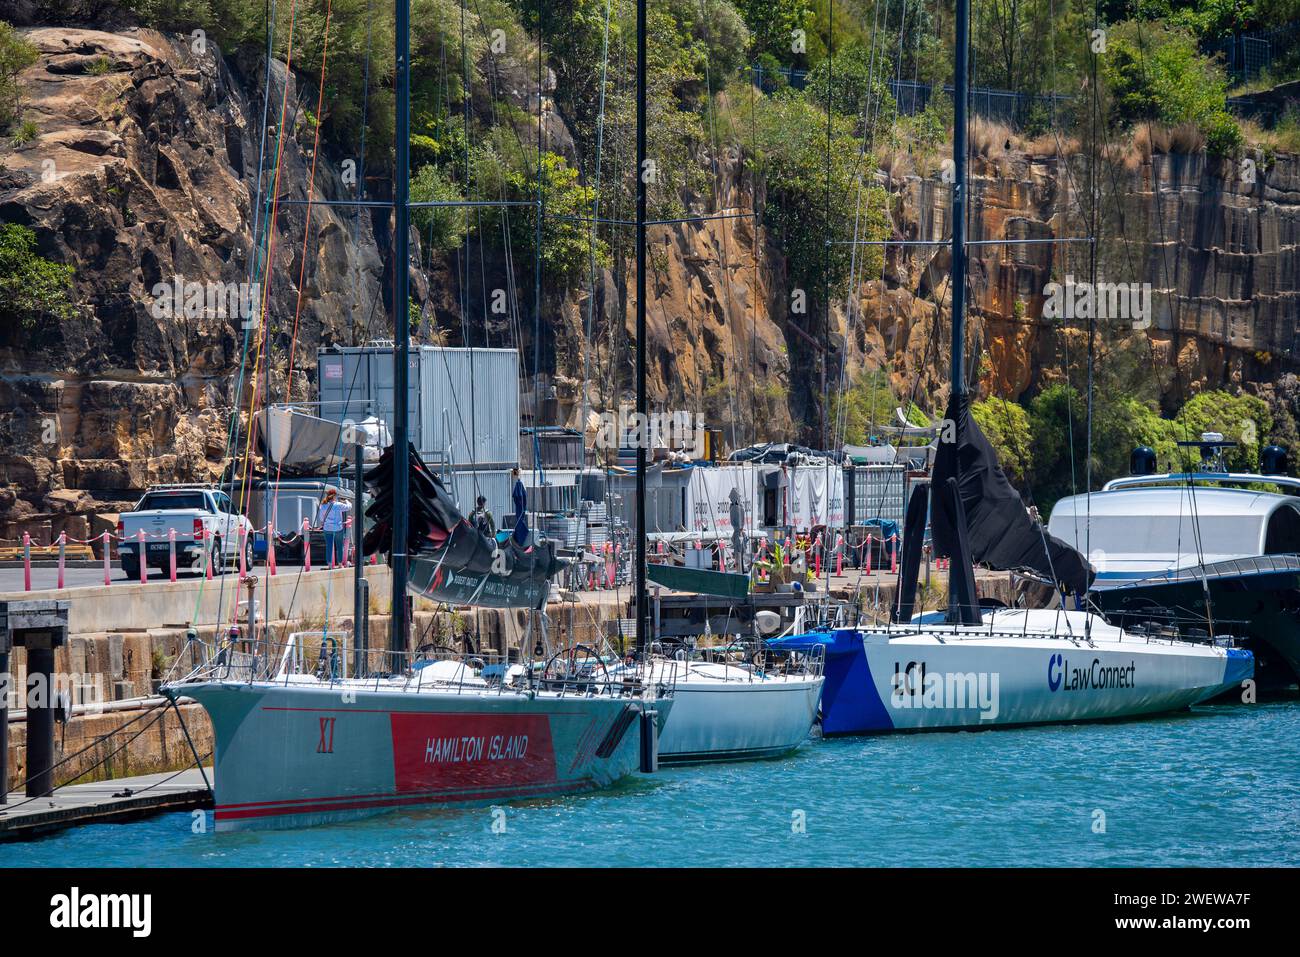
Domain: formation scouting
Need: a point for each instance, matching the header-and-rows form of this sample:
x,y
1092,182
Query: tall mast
x,y
960,102
642,603
401,326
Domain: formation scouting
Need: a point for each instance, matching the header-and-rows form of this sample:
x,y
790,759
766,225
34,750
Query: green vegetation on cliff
x,y
33,290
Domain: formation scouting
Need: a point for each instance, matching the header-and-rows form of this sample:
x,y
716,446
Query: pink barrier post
x,y
63,540
171,554
27,562
207,557
839,554
867,550
306,546
140,555
893,554
108,572
270,550
817,557
347,543
243,553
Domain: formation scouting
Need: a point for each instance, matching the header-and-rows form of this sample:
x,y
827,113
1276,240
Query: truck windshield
x,y
172,500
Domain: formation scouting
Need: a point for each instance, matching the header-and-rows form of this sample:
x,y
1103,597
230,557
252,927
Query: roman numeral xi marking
x,y
326,745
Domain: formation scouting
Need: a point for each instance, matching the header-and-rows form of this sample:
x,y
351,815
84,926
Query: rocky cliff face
x,y
147,170
1220,254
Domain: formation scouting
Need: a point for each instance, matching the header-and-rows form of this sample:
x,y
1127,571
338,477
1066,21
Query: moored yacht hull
x,y
295,755
923,684
717,719
930,678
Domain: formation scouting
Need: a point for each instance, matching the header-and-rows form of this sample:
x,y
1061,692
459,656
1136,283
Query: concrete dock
x,y
103,802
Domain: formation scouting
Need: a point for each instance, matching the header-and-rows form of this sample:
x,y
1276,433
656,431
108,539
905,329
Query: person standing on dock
x,y
329,519
519,498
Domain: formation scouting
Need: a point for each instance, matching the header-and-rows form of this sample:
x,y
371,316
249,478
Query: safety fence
x,y
208,564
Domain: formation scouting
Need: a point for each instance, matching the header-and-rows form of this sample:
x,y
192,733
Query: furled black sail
x,y
1000,532
450,559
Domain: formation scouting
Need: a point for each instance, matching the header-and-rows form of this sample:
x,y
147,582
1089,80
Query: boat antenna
x,y
398,637
642,601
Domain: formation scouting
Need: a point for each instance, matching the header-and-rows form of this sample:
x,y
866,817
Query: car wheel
x,y
218,558
248,554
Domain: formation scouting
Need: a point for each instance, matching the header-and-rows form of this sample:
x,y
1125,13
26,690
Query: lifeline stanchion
x,y
140,556
108,568
171,553
27,562
63,540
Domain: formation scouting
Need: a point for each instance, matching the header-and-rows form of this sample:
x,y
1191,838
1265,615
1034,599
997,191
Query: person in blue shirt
x,y
329,519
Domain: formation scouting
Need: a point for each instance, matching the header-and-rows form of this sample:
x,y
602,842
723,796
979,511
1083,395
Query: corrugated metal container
x,y
357,382
879,491
665,499
470,404
493,484
461,401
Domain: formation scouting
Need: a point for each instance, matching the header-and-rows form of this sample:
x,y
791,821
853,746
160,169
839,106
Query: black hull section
x,y
525,586
1257,600
450,560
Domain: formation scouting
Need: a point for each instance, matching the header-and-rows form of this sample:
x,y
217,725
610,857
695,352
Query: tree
x,y
1244,419
16,55
1058,426
1156,72
793,161
1006,426
567,244
852,83
773,23
33,290
442,227
868,402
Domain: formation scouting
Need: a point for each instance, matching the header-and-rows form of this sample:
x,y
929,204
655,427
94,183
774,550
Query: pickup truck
x,y
206,524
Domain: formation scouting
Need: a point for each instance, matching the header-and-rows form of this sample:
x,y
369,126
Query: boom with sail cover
x,y
451,560
1000,532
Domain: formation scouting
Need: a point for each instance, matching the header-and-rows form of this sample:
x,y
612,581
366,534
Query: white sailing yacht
x,y
976,667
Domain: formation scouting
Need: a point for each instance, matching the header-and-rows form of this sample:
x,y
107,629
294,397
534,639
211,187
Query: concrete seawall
x,y
125,607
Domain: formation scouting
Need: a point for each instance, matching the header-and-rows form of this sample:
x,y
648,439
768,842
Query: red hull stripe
x,y
449,793
225,812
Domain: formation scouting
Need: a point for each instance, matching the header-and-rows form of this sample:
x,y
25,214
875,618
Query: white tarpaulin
x,y
709,498
816,497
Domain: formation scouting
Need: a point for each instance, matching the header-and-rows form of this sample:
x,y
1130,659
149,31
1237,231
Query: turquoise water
x,y
1217,786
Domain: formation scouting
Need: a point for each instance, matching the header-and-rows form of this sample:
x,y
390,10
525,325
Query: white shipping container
x,y
463,404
